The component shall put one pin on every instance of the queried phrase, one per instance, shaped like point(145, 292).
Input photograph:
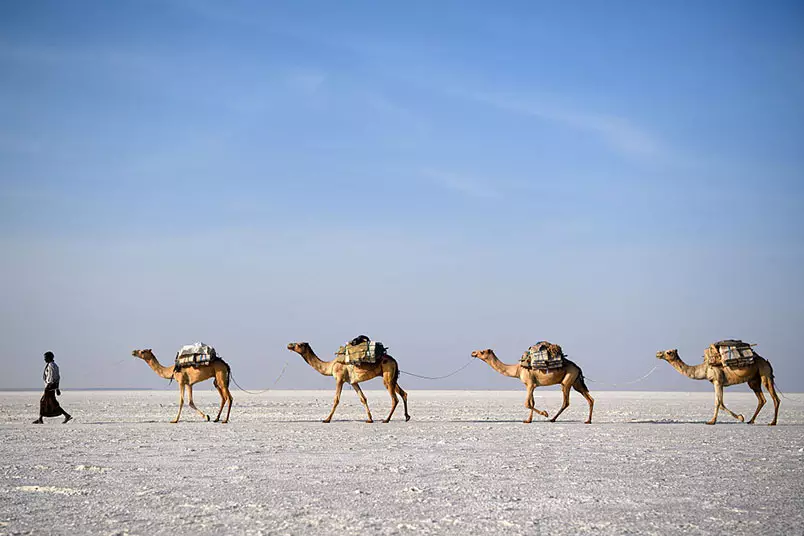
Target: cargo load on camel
point(361, 351)
point(543, 356)
point(195, 355)
point(731, 353)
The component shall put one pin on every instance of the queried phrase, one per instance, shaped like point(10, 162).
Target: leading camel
point(386, 367)
point(756, 375)
point(217, 369)
point(569, 376)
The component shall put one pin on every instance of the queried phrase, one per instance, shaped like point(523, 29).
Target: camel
point(756, 375)
point(218, 369)
point(569, 376)
point(386, 367)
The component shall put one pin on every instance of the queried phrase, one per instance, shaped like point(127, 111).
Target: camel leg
point(533, 405)
point(389, 384)
point(767, 381)
point(565, 391)
point(720, 405)
point(192, 404)
point(730, 412)
point(223, 401)
point(578, 386)
point(529, 402)
point(230, 399)
point(756, 386)
point(363, 401)
point(338, 388)
point(404, 396)
point(181, 403)
point(718, 398)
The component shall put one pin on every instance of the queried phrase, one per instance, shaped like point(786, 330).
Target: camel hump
point(361, 350)
point(543, 356)
point(195, 355)
point(732, 353)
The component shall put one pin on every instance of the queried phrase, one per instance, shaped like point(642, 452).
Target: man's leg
point(41, 408)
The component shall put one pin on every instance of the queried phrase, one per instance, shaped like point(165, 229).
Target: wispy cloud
point(397, 112)
point(619, 133)
point(462, 184)
point(308, 82)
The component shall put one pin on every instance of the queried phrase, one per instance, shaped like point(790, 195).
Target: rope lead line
point(625, 383)
point(264, 390)
point(438, 377)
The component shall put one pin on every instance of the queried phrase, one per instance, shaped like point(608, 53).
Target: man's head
point(49, 357)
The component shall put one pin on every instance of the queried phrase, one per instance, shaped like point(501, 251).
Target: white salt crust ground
point(464, 464)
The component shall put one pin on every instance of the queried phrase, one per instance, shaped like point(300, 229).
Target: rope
point(438, 377)
point(625, 383)
point(793, 398)
point(264, 390)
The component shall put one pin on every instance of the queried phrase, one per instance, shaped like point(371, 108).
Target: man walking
point(48, 405)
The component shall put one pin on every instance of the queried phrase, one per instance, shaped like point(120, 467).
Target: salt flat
point(464, 464)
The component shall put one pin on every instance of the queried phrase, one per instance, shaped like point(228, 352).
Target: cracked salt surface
point(463, 465)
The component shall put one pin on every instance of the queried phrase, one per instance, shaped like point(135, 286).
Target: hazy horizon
point(618, 178)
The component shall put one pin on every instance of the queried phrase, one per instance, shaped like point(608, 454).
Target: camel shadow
point(146, 422)
point(514, 421)
point(336, 421)
point(477, 421)
point(653, 421)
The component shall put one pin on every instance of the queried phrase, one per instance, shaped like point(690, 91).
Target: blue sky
point(615, 177)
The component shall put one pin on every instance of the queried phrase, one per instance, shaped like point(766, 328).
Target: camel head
point(668, 355)
point(299, 347)
point(485, 355)
point(146, 354)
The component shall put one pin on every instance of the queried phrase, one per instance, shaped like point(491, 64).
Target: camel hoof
point(544, 414)
point(207, 416)
point(217, 420)
point(553, 419)
point(587, 422)
point(174, 422)
point(326, 420)
point(772, 423)
point(224, 422)
point(750, 422)
point(369, 421)
point(527, 421)
point(710, 422)
point(407, 418)
point(386, 421)
point(740, 418)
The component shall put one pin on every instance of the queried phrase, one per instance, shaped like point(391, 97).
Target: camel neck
point(323, 367)
point(697, 372)
point(164, 372)
point(504, 369)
